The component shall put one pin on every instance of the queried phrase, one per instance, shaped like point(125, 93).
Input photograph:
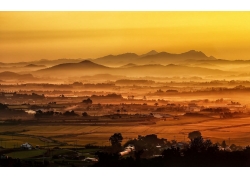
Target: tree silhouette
point(198, 144)
point(70, 113)
point(223, 144)
point(87, 101)
point(116, 139)
point(85, 114)
point(194, 134)
point(3, 106)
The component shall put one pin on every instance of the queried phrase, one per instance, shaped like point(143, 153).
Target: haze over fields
point(133, 83)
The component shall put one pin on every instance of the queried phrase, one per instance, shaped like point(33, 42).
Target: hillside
point(83, 68)
point(7, 75)
point(88, 68)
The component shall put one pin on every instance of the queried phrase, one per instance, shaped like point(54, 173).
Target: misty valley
point(154, 109)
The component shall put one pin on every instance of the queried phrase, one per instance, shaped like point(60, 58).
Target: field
point(26, 153)
point(235, 130)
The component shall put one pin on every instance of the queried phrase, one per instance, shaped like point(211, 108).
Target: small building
point(26, 146)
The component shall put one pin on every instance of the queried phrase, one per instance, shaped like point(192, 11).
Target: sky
point(28, 36)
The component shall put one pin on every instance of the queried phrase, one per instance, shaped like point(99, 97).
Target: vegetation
point(194, 134)
point(87, 101)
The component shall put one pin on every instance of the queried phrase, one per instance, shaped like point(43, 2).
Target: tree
point(87, 101)
point(116, 139)
point(233, 147)
point(3, 106)
point(223, 144)
point(85, 114)
point(194, 134)
point(198, 144)
point(70, 113)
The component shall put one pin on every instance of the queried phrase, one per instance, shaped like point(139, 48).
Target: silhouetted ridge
point(153, 52)
point(87, 61)
point(128, 65)
point(11, 75)
point(34, 65)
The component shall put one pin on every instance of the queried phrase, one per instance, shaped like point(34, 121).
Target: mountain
point(34, 66)
point(46, 62)
point(171, 70)
point(151, 57)
point(128, 65)
point(88, 68)
point(42, 62)
point(166, 58)
point(153, 52)
point(85, 67)
point(117, 60)
point(7, 75)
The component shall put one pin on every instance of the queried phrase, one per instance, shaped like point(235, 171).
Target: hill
point(118, 60)
point(83, 68)
point(7, 75)
point(151, 57)
point(34, 66)
point(88, 68)
point(128, 65)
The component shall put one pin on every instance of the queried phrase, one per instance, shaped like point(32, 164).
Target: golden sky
point(26, 36)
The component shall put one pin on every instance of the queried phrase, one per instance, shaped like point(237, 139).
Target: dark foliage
point(70, 113)
point(85, 114)
point(194, 134)
point(116, 139)
point(3, 106)
point(87, 101)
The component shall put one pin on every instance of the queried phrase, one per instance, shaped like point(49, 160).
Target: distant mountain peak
point(129, 65)
point(194, 51)
point(152, 52)
point(87, 61)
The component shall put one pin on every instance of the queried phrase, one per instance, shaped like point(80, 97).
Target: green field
point(26, 153)
point(16, 140)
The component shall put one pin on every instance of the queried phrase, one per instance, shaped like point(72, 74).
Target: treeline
point(198, 153)
point(47, 114)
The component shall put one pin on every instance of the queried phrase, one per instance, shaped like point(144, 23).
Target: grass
point(26, 153)
point(8, 141)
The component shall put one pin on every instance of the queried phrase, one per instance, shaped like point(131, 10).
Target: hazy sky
point(26, 36)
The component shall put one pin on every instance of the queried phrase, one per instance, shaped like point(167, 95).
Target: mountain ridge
point(87, 67)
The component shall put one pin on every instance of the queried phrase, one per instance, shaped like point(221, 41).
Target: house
point(26, 146)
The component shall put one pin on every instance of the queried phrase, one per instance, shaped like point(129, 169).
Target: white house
point(26, 146)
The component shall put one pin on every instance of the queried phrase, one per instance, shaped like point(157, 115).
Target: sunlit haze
point(27, 36)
